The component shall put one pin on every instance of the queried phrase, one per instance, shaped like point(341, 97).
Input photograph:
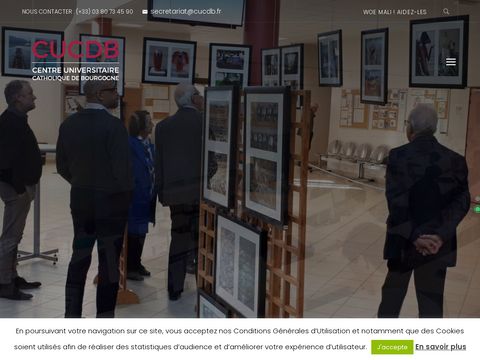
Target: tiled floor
point(344, 266)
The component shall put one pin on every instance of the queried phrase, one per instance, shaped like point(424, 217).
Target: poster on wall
point(168, 61)
point(95, 56)
point(240, 266)
point(219, 139)
point(439, 52)
point(25, 49)
point(292, 68)
point(271, 67)
point(229, 65)
point(266, 149)
point(330, 58)
point(374, 66)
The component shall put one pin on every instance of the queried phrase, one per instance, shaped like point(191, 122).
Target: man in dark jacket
point(20, 171)
point(428, 196)
point(178, 143)
point(93, 155)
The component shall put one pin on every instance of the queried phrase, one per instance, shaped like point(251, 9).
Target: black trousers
point(101, 217)
point(135, 249)
point(429, 279)
point(184, 244)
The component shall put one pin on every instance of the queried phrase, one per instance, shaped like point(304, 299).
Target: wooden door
point(473, 145)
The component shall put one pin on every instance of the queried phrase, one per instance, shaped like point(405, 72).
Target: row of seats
point(349, 151)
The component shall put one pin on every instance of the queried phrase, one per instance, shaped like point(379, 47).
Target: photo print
point(229, 65)
point(18, 57)
point(168, 61)
point(266, 148)
point(292, 68)
point(374, 67)
point(439, 52)
point(271, 67)
point(330, 58)
point(220, 136)
point(209, 308)
point(240, 266)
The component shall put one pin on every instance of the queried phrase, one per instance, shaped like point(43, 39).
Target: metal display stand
point(286, 245)
point(26, 255)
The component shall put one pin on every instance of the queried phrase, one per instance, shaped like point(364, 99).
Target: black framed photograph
point(374, 67)
point(229, 65)
point(25, 49)
point(219, 139)
point(240, 266)
point(330, 71)
point(271, 67)
point(209, 308)
point(266, 148)
point(439, 52)
point(168, 61)
point(291, 72)
point(95, 55)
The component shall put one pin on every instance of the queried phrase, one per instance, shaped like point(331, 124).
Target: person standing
point(427, 196)
point(178, 144)
point(93, 155)
point(142, 208)
point(20, 171)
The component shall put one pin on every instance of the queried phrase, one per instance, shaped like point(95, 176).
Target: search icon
point(446, 11)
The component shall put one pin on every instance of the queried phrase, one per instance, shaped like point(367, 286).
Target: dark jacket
point(20, 159)
point(142, 208)
point(178, 145)
point(427, 193)
point(93, 152)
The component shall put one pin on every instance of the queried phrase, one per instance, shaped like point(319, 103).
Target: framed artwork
point(266, 150)
point(93, 56)
point(25, 49)
point(374, 67)
point(168, 61)
point(439, 52)
point(219, 139)
point(292, 68)
point(330, 58)
point(229, 65)
point(240, 266)
point(209, 308)
point(271, 67)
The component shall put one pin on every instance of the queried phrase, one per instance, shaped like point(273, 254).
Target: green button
point(476, 209)
point(392, 347)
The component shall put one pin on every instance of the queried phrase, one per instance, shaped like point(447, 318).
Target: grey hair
point(183, 95)
point(423, 120)
point(12, 89)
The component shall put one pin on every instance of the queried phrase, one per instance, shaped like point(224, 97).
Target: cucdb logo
point(93, 49)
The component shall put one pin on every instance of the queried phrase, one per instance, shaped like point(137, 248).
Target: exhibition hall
point(240, 159)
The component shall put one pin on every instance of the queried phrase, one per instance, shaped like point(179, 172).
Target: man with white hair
point(178, 144)
point(93, 155)
point(427, 196)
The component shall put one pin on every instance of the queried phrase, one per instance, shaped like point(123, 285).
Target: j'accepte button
point(392, 347)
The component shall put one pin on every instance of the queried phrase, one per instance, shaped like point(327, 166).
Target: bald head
point(422, 120)
point(102, 92)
